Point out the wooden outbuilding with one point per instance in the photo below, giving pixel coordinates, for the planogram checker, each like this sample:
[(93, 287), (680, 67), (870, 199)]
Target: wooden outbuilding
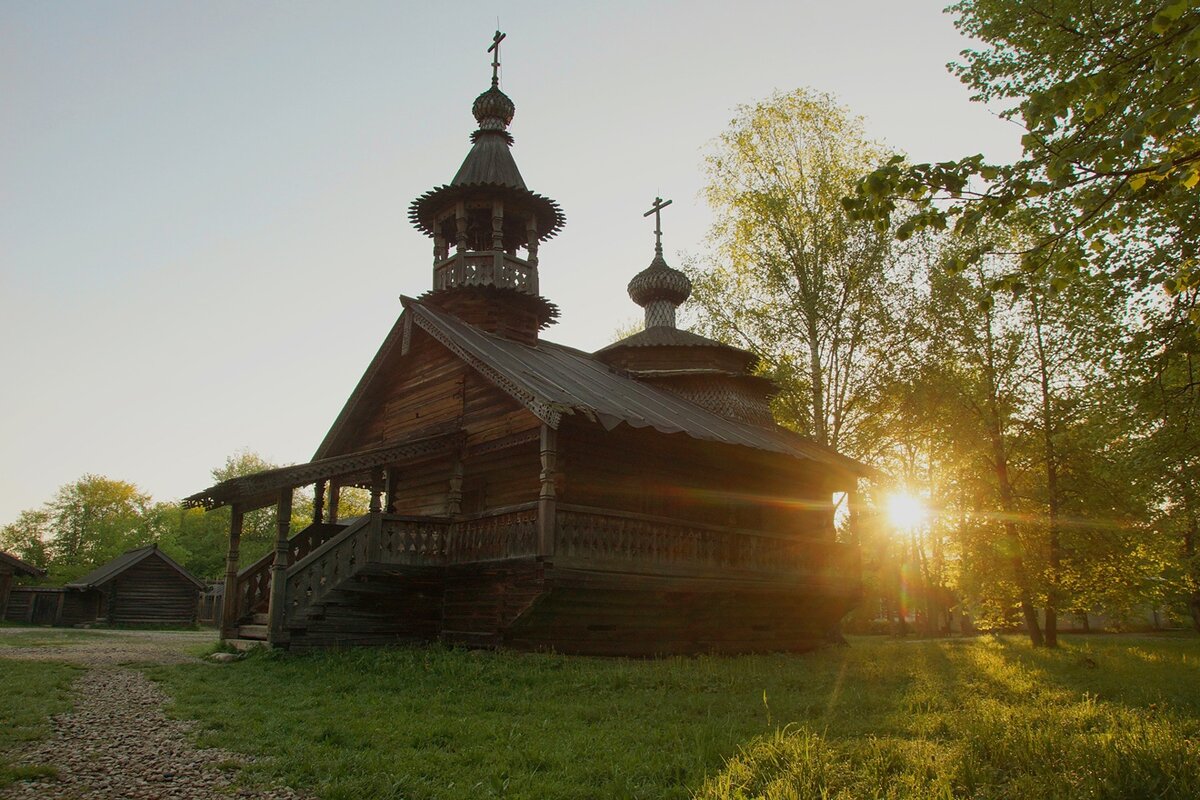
[(140, 587), (640, 500), (12, 568)]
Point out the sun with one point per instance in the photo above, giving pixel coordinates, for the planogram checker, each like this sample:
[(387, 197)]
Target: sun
[(906, 511)]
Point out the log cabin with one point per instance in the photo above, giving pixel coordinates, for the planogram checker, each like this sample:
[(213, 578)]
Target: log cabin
[(639, 500), (12, 568), (143, 587)]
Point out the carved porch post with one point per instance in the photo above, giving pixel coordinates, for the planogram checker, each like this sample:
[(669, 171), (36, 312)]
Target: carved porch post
[(283, 518), (230, 607), (375, 531), (547, 503), (318, 502), (335, 492)]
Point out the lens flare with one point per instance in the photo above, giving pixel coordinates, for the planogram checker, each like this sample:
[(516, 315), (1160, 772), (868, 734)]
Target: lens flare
[(906, 511)]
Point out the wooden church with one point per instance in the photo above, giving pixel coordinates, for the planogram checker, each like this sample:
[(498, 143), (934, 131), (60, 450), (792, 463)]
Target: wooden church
[(639, 500)]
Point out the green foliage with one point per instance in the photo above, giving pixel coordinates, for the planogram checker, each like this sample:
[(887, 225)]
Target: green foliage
[(987, 718), (95, 519), (792, 278), (28, 536), (1107, 94)]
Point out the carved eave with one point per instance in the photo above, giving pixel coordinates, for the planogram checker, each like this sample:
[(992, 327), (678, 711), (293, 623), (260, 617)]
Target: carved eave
[(429, 211), (546, 312), (262, 488)]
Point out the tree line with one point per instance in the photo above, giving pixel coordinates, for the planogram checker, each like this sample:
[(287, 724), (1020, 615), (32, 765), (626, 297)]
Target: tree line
[(1016, 344), (94, 519)]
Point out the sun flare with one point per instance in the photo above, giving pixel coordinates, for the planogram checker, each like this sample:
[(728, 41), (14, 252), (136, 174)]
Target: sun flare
[(906, 511)]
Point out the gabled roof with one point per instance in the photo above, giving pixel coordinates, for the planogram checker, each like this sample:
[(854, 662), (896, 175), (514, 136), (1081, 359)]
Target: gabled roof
[(20, 566), (105, 573), (551, 380)]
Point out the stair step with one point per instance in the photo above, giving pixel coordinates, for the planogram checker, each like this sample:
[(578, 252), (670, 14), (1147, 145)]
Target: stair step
[(261, 619), (257, 632), (242, 645)]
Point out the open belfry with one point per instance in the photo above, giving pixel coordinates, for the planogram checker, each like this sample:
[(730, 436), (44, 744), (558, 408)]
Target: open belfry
[(639, 500)]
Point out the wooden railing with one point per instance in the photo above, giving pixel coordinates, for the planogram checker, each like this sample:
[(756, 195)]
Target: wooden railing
[(411, 540), (485, 268), (502, 533), (312, 577), (374, 539), (598, 535), (254, 582)]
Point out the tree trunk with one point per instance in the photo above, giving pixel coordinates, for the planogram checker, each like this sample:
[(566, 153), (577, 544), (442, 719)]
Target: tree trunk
[(1052, 500), (1189, 553), (817, 379), (1012, 541)]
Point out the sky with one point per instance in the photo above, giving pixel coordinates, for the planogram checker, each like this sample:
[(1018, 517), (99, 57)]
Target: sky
[(203, 205)]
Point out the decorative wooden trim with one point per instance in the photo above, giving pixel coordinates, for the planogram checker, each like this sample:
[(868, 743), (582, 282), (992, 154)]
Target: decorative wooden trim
[(283, 519), (231, 604), (540, 408), (252, 490)]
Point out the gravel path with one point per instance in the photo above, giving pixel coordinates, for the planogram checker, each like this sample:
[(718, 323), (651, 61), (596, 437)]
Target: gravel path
[(117, 742), (102, 647)]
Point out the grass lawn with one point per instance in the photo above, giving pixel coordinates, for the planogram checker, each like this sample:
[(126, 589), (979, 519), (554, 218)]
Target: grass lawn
[(30, 692), (1104, 717)]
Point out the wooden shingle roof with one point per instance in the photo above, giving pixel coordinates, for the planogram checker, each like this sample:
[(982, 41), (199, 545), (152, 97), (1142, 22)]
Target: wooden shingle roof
[(106, 572)]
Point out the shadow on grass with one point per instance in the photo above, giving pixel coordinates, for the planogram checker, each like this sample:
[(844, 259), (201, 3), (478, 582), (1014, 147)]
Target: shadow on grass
[(981, 718)]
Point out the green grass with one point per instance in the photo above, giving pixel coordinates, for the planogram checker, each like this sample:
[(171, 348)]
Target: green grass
[(30, 693), (1104, 717), (44, 637)]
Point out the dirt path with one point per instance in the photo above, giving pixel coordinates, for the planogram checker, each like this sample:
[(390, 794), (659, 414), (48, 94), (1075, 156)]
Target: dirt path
[(116, 742)]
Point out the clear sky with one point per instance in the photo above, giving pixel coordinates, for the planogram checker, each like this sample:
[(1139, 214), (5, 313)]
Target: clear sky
[(203, 206)]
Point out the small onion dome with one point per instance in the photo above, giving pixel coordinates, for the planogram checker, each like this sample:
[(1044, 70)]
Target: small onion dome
[(493, 110), (659, 282)]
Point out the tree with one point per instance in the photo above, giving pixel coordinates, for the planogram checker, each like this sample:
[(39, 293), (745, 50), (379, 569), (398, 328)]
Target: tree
[(793, 279), (27, 537), (94, 520), (1106, 92)]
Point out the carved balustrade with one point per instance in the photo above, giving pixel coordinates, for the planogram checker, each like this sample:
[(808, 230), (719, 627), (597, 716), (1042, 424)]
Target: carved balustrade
[(486, 268), (598, 535), (254, 582), (502, 533)]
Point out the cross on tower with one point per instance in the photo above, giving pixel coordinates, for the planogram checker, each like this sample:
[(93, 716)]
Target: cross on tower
[(495, 48), (656, 210)]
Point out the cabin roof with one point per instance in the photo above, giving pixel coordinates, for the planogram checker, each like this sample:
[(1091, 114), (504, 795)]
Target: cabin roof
[(551, 380), (106, 572), (20, 566), (262, 488)]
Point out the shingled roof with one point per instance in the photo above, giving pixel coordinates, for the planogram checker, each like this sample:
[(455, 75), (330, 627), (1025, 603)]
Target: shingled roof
[(106, 572), (552, 380), (19, 566)]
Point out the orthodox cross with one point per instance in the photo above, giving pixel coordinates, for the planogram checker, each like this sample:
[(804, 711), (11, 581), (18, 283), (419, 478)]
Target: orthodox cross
[(495, 48), (656, 210)]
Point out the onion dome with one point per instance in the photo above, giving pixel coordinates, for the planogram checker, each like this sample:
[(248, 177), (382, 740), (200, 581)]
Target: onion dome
[(659, 288), (659, 282), (493, 110), (709, 373)]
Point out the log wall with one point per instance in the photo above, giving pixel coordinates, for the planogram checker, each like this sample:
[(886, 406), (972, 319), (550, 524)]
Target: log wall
[(151, 593)]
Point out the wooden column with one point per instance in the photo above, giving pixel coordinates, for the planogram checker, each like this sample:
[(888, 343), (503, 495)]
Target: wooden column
[(335, 494), (376, 505), (230, 606), (277, 613), (376, 509), (547, 503), (318, 502), (852, 514), (454, 494), (391, 479), (6, 581)]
